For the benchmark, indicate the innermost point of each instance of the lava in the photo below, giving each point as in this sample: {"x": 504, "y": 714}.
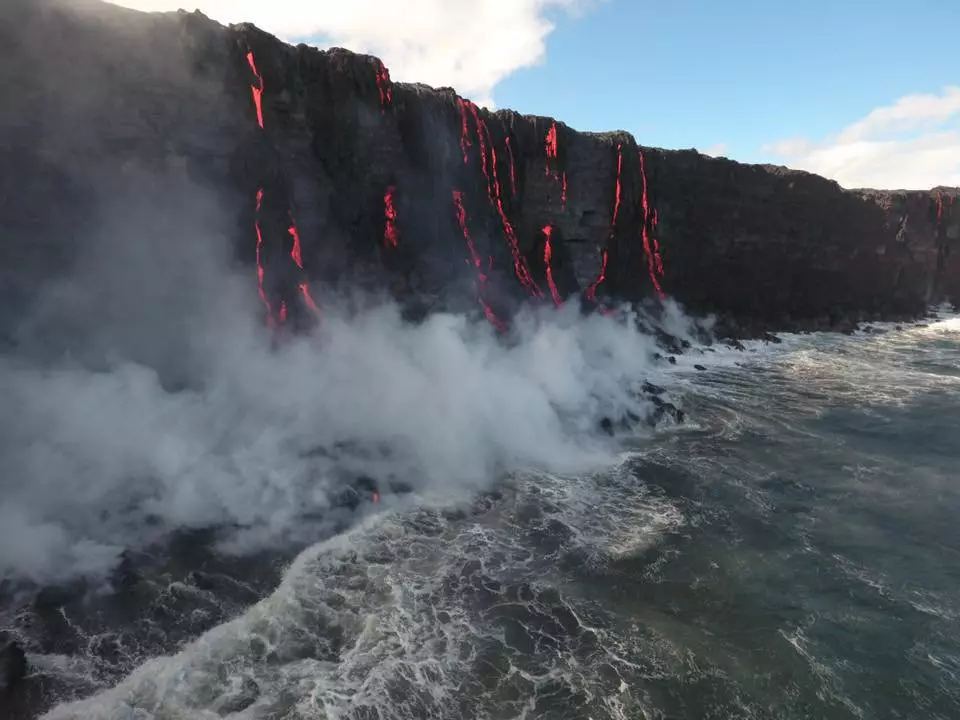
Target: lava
{"x": 551, "y": 144}
{"x": 465, "y": 143}
{"x": 513, "y": 171}
{"x": 295, "y": 251}
{"x": 477, "y": 262}
{"x": 256, "y": 89}
{"x": 604, "y": 255}
{"x": 260, "y": 270}
{"x": 385, "y": 86}
{"x": 298, "y": 259}
{"x": 485, "y": 140}
{"x": 390, "y": 218}
{"x": 592, "y": 290}
{"x": 547, "y": 262}
{"x": 654, "y": 261}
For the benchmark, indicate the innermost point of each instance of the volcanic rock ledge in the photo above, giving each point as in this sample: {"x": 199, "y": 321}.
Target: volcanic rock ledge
{"x": 329, "y": 174}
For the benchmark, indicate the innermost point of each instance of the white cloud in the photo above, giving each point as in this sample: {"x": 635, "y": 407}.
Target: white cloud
{"x": 718, "y": 150}
{"x": 468, "y": 44}
{"x": 913, "y": 143}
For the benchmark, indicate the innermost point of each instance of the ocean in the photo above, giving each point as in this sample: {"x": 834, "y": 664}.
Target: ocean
{"x": 789, "y": 551}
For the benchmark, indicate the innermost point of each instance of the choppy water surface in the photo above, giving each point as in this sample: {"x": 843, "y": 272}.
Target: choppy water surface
{"x": 792, "y": 553}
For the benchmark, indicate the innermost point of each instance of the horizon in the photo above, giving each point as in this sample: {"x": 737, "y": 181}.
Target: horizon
{"x": 737, "y": 83}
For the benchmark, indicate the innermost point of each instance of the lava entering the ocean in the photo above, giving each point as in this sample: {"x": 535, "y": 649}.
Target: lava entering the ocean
{"x": 485, "y": 140}
{"x": 548, "y": 264}
{"x": 390, "y": 218}
{"x": 654, "y": 261}
{"x": 461, "y": 212}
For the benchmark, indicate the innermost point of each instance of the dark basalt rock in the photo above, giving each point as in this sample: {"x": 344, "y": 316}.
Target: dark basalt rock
{"x": 144, "y": 110}
{"x": 13, "y": 666}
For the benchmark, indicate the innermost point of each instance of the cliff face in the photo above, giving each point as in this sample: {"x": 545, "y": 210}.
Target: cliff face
{"x": 325, "y": 173}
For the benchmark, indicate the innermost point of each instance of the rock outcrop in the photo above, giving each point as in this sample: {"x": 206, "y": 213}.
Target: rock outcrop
{"x": 325, "y": 173}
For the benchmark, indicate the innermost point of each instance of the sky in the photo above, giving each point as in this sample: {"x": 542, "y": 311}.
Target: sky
{"x": 866, "y": 92}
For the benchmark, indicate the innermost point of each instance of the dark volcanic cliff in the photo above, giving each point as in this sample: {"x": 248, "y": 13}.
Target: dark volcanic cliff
{"x": 354, "y": 179}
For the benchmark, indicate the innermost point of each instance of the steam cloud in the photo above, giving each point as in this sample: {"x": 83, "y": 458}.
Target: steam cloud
{"x": 144, "y": 396}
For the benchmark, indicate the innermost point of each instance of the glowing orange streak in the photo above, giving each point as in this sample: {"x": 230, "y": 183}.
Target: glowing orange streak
{"x": 295, "y": 250}
{"x": 257, "y": 91}
{"x": 652, "y": 261}
{"x": 493, "y": 191}
{"x": 483, "y": 146}
{"x": 260, "y": 271}
{"x": 592, "y": 290}
{"x": 390, "y": 215}
{"x": 547, "y": 257}
{"x": 295, "y": 253}
{"x": 563, "y": 192}
{"x": 616, "y": 202}
{"x": 513, "y": 173}
{"x": 551, "y": 144}
{"x": 477, "y": 262}
{"x": 465, "y": 143}
{"x": 604, "y": 255}
{"x": 305, "y": 291}
{"x": 385, "y": 86}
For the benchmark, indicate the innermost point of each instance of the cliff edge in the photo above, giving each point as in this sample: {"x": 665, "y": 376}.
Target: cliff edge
{"x": 327, "y": 174}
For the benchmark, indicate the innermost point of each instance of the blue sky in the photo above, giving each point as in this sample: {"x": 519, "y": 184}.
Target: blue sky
{"x": 866, "y": 92}
{"x": 740, "y": 73}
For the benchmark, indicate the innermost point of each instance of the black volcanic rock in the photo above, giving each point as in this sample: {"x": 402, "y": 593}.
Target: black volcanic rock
{"x": 13, "y": 666}
{"x": 379, "y": 176}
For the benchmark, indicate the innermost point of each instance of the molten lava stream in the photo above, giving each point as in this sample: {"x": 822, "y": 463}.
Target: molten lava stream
{"x": 461, "y": 212}
{"x": 547, "y": 262}
{"x": 390, "y": 218}
{"x": 257, "y": 89}
{"x": 260, "y": 271}
{"x": 384, "y": 86}
{"x": 612, "y": 235}
{"x": 653, "y": 261}
{"x": 295, "y": 253}
{"x": 520, "y": 267}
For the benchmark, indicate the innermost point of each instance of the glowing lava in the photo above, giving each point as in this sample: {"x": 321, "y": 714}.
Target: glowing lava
{"x": 256, "y": 89}
{"x": 385, "y": 86}
{"x": 477, "y": 262}
{"x": 390, "y": 218}
{"x": 485, "y": 140}
{"x": 298, "y": 259}
{"x": 260, "y": 271}
{"x": 654, "y": 262}
{"x": 513, "y": 171}
{"x": 592, "y": 290}
{"x": 547, "y": 262}
{"x": 295, "y": 250}
{"x": 553, "y": 158}
{"x": 611, "y": 236}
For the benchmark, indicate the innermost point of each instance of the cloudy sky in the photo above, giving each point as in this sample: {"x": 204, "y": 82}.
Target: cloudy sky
{"x": 863, "y": 91}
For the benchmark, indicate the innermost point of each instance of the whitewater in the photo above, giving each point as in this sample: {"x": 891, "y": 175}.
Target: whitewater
{"x": 789, "y": 551}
